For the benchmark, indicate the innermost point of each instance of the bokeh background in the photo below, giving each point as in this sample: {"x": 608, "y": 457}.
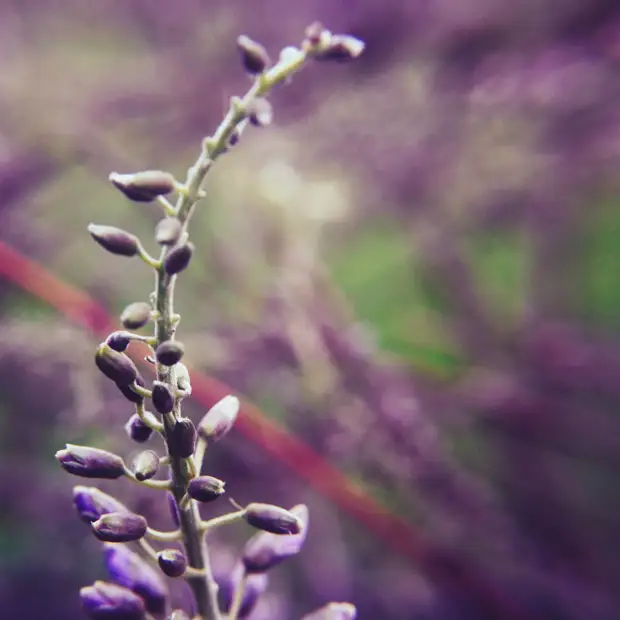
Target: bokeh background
{"x": 413, "y": 276}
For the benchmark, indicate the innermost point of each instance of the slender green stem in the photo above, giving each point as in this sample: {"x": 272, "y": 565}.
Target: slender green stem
{"x": 163, "y": 536}
{"x": 231, "y": 517}
{"x": 235, "y": 606}
{"x": 151, "y": 484}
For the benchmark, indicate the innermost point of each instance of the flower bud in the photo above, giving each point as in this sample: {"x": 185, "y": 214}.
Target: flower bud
{"x": 119, "y": 527}
{"x": 265, "y": 550}
{"x": 169, "y": 352}
{"x": 90, "y": 462}
{"x": 260, "y": 112}
{"x": 178, "y": 259}
{"x": 333, "y": 611}
{"x": 128, "y": 569}
{"x": 272, "y": 519}
{"x": 183, "y": 381}
{"x": 218, "y": 421}
{"x": 114, "y": 365}
{"x": 341, "y": 48}
{"x": 114, "y": 240}
{"x": 137, "y": 430}
{"x": 172, "y": 562}
{"x": 168, "y": 231}
{"x": 163, "y": 398}
{"x": 315, "y": 33}
{"x": 145, "y": 465}
{"x": 136, "y": 315}
{"x": 128, "y": 392}
{"x": 107, "y": 601}
{"x": 182, "y": 438}
{"x": 205, "y": 488}
{"x": 143, "y": 186}
{"x": 255, "y": 585}
{"x": 178, "y": 614}
{"x": 119, "y": 341}
{"x": 91, "y": 503}
{"x": 253, "y": 55}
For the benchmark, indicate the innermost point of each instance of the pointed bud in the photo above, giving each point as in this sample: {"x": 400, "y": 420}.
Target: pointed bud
{"x": 178, "y": 614}
{"x": 218, "y": 421}
{"x": 169, "y": 352}
{"x": 163, "y": 398}
{"x": 253, "y": 55}
{"x": 137, "y": 430}
{"x": 255, "y": 585}
{"x": 205, "y": 488}
{"x": 333, "y": 611}
{"x": 264, "y": 550}
{"x": 183, "y": 380}
{"x": 107, "y": 601}
{"x": 341, "y": 48}
{"x": 144, "y": 186}
{"x": 272, "y": 519}
{"x": 136, "y": 315}
{"x": 178, "y": 259}
{"x": 145, "y": 465}
{"x": 182, "y": 438}
{"x": 90, "y": 462}
{"x": 260, "y": 112}
{"x": 114, "y": 240}
{"x": 172, "y": 562}
{"x": 168, "y": 231}
{"x": 91, "y": 503}
{"x": 129, "y": 393}
{"x": 119, "y": 527}
{"x": 114, "y": 365}
{"x": 315, "y": 33}
{"x": 128, "y": 569}
{"x": 119, "y": 341}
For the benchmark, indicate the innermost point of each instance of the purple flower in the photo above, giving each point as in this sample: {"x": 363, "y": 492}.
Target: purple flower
{"x": 91, "y": 503}
{"x": 107, "y": 601}
{"x": 255, "y": 585}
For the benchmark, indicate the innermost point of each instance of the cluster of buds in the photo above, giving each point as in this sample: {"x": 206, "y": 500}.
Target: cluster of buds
{"x": 137, "y": 589}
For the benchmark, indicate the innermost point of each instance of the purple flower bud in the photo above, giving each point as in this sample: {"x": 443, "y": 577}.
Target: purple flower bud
{"x": 172, "y": 562}
{"x": 114, "y": 240}
{"x": 114, "y": 365}
{"x": 119, "y": 341}
{"x": 255, "y": 585}
{"x": 182, "y": 438}
{"x": 168, "y": 231}
{"x": 272, "y": 519}
{"x": 119, "y": 527}
{"x": 143, "y": 186}
{"x": 205, "y": 488}
{"x": 145, "y": 465}
{"x": 137, "y": 430}
{"x": 169, "y": 352}
{"x": 129, "y": 393}
{"x": 136, "y": 315}
{"x": 91, "y": 503}
{"x": 265, "y": 550}
{"x": 128, "y": 569}
{"x": 90, "y": 462}
{"x": 178, "y": 259}
{"x": 107, "y": 601}
{"x": 253, "y": 55}
{"x": 218, "y": 421}
{"x": 260, "y": 112}
{"x": 163, "y": 398}
{"x": 333, "y": 611}
{"x": 341, "y": 48}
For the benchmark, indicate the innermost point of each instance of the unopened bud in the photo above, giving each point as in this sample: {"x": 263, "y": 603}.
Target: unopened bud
{"x": 119, "y": 341}
{"x": 129, "y": 393}
{"x": 333, "y": 611}
{"x": 136, "y": 315}
{"x": 183, "y": 381}
{"x": 108, "y": 601}
{"x": 205, "y": 488}
{"x": 315, "y": 33}
{"x": 145, "y": 465}
{"x": 168, "y": 231}
{"x": 260, "y": 112}
{"x": 144, "y": 186}
{"x": 114, "y": 365}
{"x": 116, "y": 527}
{"x": 163, "y": 398}
{"x": 178, "y": 259}
{"x": 341, "y": 48}
{"x": 182, "y": 438}
{"x": 253, "y": 55}
{"x": 218, "y": 421}
{"x": 91, "y": 503}
{"x": 114, "y": 240}
{"x": 90, "y": 462}
{"x": 172, "y": 562}
{"x": 169, "y": 352}
{"x": 272, "y": 519}
{"x": 137, "y": 430}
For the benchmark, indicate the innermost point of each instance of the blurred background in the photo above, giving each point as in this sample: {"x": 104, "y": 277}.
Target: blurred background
{"x": 413, "y": 276}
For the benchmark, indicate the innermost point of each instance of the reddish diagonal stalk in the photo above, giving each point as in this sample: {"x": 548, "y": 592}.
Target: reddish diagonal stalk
{"x": 440, "y": 566}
